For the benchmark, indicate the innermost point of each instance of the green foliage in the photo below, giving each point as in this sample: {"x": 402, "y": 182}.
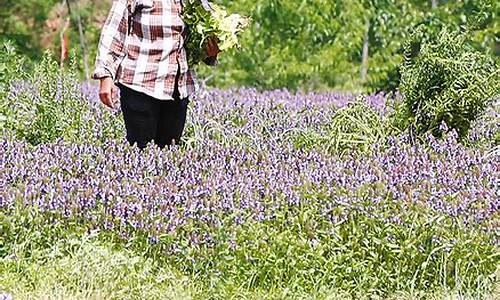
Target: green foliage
{"x": 10, "y": 68}
{"x": 40, "y": 260}
{"x": 48, "y": 104}
{"x": 194, "y": 13}
{"x": 51, "y": 114}
{"x": 355, "y": 127}
{"x": 295, "y": 44}
{"x": 22, "y": 22}
{"x": 446, "y": 80}
{"x": 318, "y": 44}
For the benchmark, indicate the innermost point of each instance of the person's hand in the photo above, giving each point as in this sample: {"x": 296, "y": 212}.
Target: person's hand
{"x": 108, "y": 92}
{"x": 211, "y": 47}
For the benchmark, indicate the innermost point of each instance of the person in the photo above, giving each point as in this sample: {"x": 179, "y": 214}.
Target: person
{"x": 141, "y": 49}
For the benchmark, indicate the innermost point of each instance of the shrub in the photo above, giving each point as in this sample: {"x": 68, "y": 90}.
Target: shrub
{"x": 10, "y": 67}
{"x": 48, "y": 104}
{"x": 445, "y": 80}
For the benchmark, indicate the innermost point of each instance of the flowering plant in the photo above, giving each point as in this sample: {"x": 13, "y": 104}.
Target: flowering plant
{"x": 207, "y": 20}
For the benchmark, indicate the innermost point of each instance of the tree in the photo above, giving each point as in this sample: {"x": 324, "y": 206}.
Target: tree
{"x": 22, "y": 22}
{"x": 306, "y": 44}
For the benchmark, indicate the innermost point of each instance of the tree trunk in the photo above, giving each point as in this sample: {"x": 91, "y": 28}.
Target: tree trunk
{"x": 434, "y": 3}
{"x": 83, "y": 45}
{"x": 364, "y": 62}
{"x": 64, "y": 41}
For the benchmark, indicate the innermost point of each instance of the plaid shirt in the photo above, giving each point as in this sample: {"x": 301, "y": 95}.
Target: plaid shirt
{"x": 146, "y": 53}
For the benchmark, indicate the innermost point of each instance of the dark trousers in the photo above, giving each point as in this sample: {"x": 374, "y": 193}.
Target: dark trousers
{"x": 149, "y": 119}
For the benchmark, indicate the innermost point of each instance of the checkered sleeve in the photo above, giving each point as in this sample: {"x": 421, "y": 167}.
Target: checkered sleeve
{"x": 111, "y": 48}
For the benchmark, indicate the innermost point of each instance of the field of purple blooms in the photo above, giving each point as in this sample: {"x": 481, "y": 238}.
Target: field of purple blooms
{"x": 256, "y": 197}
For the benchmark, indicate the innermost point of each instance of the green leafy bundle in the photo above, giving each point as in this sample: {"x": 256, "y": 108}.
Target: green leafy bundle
{"x": 214, "y": 23}
{"x": 355, "y": 127}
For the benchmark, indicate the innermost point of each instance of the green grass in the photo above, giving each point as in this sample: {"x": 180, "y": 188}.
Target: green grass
{"x": 92, "y": 270}
{"x": 102, "y": 270}
{"x": 52, "y": 260}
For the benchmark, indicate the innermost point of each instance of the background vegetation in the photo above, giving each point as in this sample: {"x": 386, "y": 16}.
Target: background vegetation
{"x": 318, "y": 44}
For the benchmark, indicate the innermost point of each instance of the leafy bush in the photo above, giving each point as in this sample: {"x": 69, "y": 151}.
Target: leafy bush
{"x": 48, "y": 104}
{"x": 10, "y": 67}
{"x": 445, "y": 80}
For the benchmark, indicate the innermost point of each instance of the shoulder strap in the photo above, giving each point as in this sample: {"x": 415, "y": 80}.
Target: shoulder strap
{"x": 131, "y": 11}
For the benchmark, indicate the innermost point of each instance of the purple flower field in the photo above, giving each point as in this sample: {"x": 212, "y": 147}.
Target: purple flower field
{"x": 240, "y": 163}
{"x": 255, "y": 194}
